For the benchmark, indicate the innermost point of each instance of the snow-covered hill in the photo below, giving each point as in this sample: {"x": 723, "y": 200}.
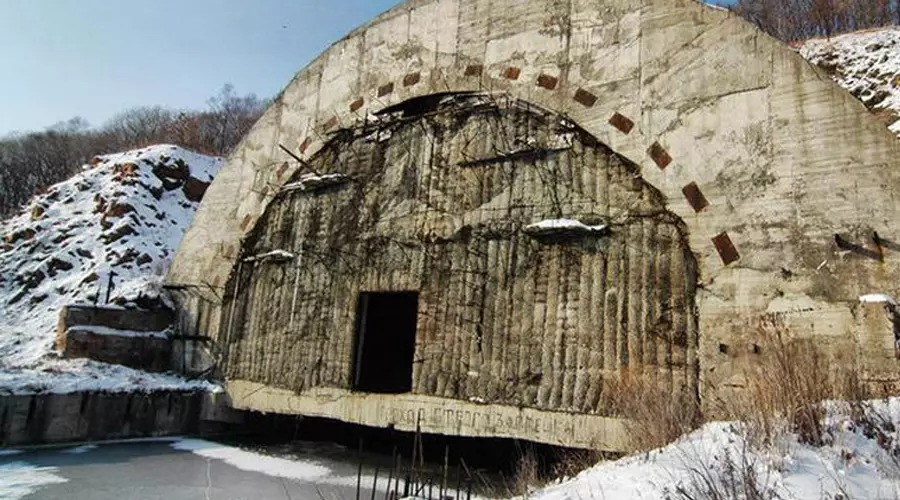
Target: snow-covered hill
{"x": 124, "y": 215}
{"x": 866, "y": 63}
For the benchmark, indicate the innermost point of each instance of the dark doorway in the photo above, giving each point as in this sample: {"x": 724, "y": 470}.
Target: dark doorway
{"x": 385, "y": 342}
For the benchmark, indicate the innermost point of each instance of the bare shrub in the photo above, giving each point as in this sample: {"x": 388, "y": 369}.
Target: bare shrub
{"x": 791, "y": 20}
{"x": 655, "y": 415}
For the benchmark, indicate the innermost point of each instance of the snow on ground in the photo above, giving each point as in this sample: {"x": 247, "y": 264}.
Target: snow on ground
{"x": 125, "y": 214}
{"x": 255, "y": 462}
{"x": 866, "y": 63}
{"x": 19, "y": 479}
{"x": 857, "y": 461}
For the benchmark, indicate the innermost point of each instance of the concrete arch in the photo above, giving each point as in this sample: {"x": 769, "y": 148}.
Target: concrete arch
{"x": 763, "y": 157}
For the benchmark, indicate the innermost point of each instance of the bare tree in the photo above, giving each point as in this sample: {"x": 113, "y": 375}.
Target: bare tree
{"x": 794, "y": 20}
{"x": 33, "y": 161}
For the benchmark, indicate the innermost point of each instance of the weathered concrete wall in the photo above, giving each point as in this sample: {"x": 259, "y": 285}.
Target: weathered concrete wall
{"x": 129, "y": 337}
{"x": 118, "y": 318}
{"x": 148, "y": 353}
{"x": 701, "y": 101}
{"x": 503, "y": 317}
{"x": 60, "y": 418}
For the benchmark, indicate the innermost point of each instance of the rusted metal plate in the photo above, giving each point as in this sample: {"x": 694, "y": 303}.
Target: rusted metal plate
{"x": 585, "y": 98}
{"x": 660, "y": 155}
{"x": 412, "y": 79}
{"x": 695, "y": 197}
{"x": 330, "y": 123}
{"x": 246, "y": 223}
{"x": 726, "y": 249}
{"x": 385, "y": 89}
{"x": 622, "y": 122}
{"x": 547, "y": 81}
{"x": 474, "y": 70}
{"x": 512, "y": 73}
{"x": 355, "y": 105}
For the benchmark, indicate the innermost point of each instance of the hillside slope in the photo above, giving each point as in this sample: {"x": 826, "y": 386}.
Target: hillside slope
{"x": 122, "y": 216}
{"x": 867, "y": 64}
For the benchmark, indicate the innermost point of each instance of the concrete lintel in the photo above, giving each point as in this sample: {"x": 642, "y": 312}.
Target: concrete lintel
{"x": 436, "y": 415}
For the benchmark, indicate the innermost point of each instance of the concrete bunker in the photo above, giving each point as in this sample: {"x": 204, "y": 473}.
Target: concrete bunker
{"x": 479, "y": 249}
{"x": 576, "y": 190}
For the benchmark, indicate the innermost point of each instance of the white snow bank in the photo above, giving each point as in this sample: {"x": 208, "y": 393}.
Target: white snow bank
{"x": 59, "y": 376}
{"x": 254, "y": 462}
{"x": 851, "y": 464}
{"x": 20, "y": 479}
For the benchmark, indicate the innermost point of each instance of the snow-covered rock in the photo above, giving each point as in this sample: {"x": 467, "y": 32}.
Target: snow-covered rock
{"x": 867, "y": 63}
{"x": 123, "y": 216}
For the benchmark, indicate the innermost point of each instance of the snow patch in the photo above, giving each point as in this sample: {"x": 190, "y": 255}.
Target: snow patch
{"x": 61, "y": 376}
{"x": 254, "y": 462}
{"x": 878, "y": 298}
{"x": 103, "y": 330}
{"x": 315, "y": 181}
{"x": 564, "y": 225}
{"x": 20, "y": 479}
{"x": 276, "y": 255}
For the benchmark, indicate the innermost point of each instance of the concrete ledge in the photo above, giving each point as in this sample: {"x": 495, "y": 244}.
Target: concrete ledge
{"x": 436, "y": 415}
{"x": 152, "y": 353}
{"x": 114, "y": 317}
{"x": 128, "y": 337}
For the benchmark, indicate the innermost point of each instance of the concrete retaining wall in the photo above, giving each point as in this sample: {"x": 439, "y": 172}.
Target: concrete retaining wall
{"x": 114, "y": 317}
{"x": 152, "y": 354}
{"x": 94, "y": 416}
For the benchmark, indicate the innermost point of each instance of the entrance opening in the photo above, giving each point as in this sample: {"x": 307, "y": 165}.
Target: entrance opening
{"x": 385, "y": 342}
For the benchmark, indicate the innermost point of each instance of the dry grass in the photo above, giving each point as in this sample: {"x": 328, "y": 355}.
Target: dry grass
{"x": 573, "y": 462}
{"x": 655, "y": 416}
{"x": 527, "y": 476}
{"x": 729, "y": 478}
{"x": 786, "y": 387}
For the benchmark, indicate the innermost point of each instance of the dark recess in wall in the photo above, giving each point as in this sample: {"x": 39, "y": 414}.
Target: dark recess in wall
{"x": 385, "y": 342}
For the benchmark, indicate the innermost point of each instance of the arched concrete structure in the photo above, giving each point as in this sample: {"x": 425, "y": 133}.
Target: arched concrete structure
{"x": 782, "y": 178}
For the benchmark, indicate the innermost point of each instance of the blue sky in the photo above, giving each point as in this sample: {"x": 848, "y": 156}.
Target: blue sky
{"x": 94, "y": 58}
